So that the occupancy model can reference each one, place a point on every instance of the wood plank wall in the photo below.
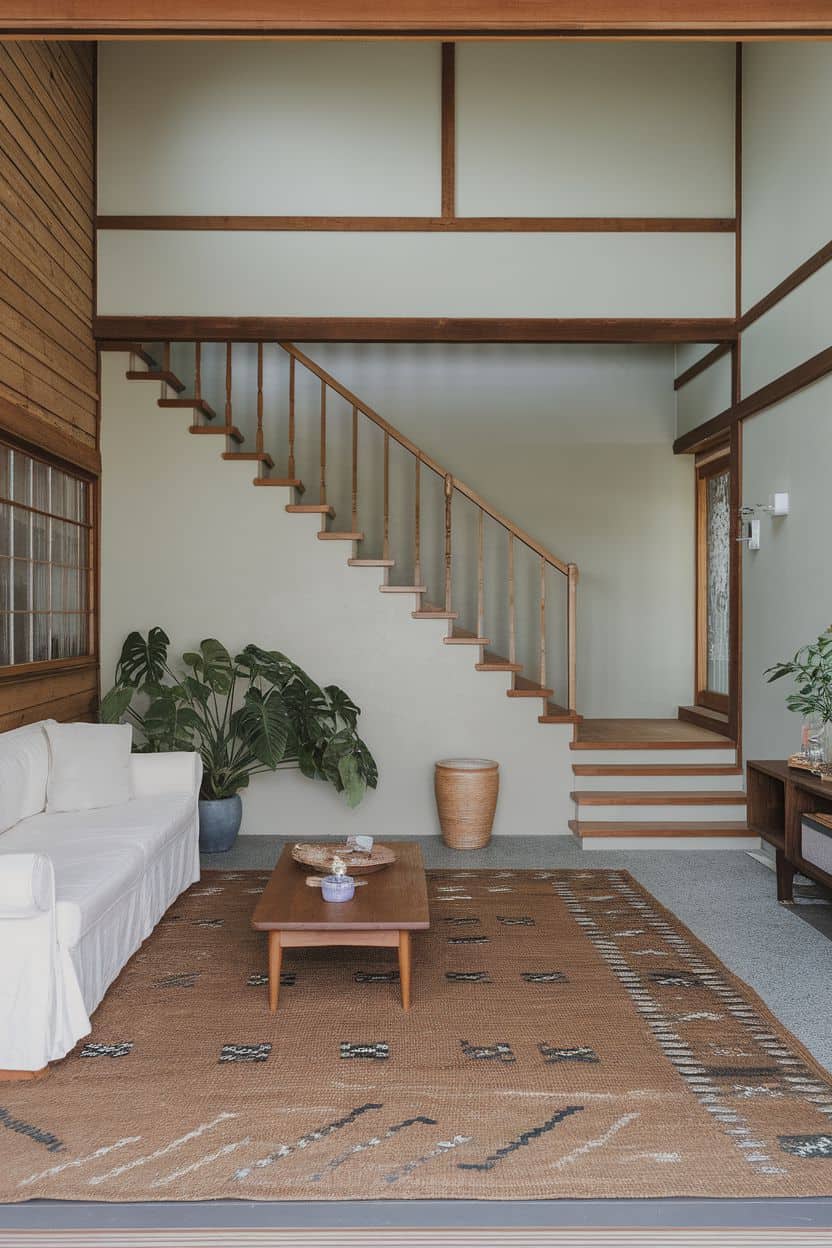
(48, 357)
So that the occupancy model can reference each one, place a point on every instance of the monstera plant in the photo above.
(245, 714)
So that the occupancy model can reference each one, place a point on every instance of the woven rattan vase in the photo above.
(466, 798)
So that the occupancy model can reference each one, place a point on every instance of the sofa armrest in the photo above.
(159, 775)
(27, 885)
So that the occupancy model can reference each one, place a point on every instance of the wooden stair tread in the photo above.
(434, 613)
(525, 688)
(457, 639)
(656, 769)
(222, 431)
(371, 563)
(647, 734)
(262, 457)
(326, 536)
(311, 509)
(199, 405)
(293, 482)
(497, 663)
(402, 589)
(584, 828)
(555, 714)
(705, 717)
(135, 348)
(655, 797)
(158, 374)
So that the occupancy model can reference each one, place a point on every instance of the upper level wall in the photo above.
(787, 190)
(354, 129)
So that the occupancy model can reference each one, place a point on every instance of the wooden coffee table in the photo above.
(383, 913)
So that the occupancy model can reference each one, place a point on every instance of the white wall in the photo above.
(188, 543)
(327, 128)
(703, 397)
(786, 196)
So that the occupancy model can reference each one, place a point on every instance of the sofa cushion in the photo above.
(89, 766)
(99, 855)
(24, 770)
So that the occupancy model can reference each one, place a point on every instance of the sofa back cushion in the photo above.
(24, 771)
(89, 766)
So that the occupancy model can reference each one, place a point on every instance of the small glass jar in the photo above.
(338, 888)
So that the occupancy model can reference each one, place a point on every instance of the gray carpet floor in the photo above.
(727, 899)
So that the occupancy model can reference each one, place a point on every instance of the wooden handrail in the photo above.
(406, 443)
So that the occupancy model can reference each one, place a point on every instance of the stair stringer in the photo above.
(189, 544)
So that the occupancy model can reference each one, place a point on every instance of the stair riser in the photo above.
(661, 784)
(683, 844)
(661, 814)
(666, 758)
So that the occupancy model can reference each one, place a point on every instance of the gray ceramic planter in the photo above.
(219, 823)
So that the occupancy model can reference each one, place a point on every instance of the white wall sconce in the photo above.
(777, 505)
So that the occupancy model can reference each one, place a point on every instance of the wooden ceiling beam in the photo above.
(729, 19)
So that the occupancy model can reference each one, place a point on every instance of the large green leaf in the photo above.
(114, 704)
(263, 723)
(353, 781)
(212, 664)
(342, 705)
(143, 660)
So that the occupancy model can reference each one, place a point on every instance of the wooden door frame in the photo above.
(720, 458)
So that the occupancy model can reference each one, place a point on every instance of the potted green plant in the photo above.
(245, 715)
(811, 669)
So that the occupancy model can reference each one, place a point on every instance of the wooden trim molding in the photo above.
(427, 225)
(775, 391)
(796, 278)
(699, 18)
(448, 130)
(33, 433)
(701, 365)
(408, 329)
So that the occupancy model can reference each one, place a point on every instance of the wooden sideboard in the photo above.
(778, 798)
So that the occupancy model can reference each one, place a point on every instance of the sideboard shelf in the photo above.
(778, 798)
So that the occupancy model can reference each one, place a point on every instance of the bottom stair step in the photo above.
(559, 715)
(584, 829)
(371, 563)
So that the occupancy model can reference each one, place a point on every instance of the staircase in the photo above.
(637, 783)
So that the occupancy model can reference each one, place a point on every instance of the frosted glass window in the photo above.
(45, 561)
(718, 551)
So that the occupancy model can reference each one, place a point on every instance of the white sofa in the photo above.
(104, 878)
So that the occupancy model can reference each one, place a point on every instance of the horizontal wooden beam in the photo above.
(37, 434)
(259, 17)
(701, 365)
(796, 278)
(409, 329)
(776, 391)
(427, 225)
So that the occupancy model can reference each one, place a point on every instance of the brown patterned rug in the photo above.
(568, 1038)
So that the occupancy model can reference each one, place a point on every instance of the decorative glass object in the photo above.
(338, 887)
(813, 741)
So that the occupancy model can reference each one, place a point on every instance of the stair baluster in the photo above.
(417, 523)
(258, 443)
(355, 469)
(512, 627)
(385, 551)
(228, 407)
(290, 468)
(197, 370)
(480, 574)
(322, 498)
(449, 490)
(542, 675)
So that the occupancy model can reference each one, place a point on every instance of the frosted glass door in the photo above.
(717, 525)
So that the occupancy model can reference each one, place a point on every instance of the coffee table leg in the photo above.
(275, 959)
(404, 968)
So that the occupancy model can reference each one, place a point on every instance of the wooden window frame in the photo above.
(90, 657)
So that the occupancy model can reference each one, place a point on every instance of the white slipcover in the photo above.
(114, 872)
